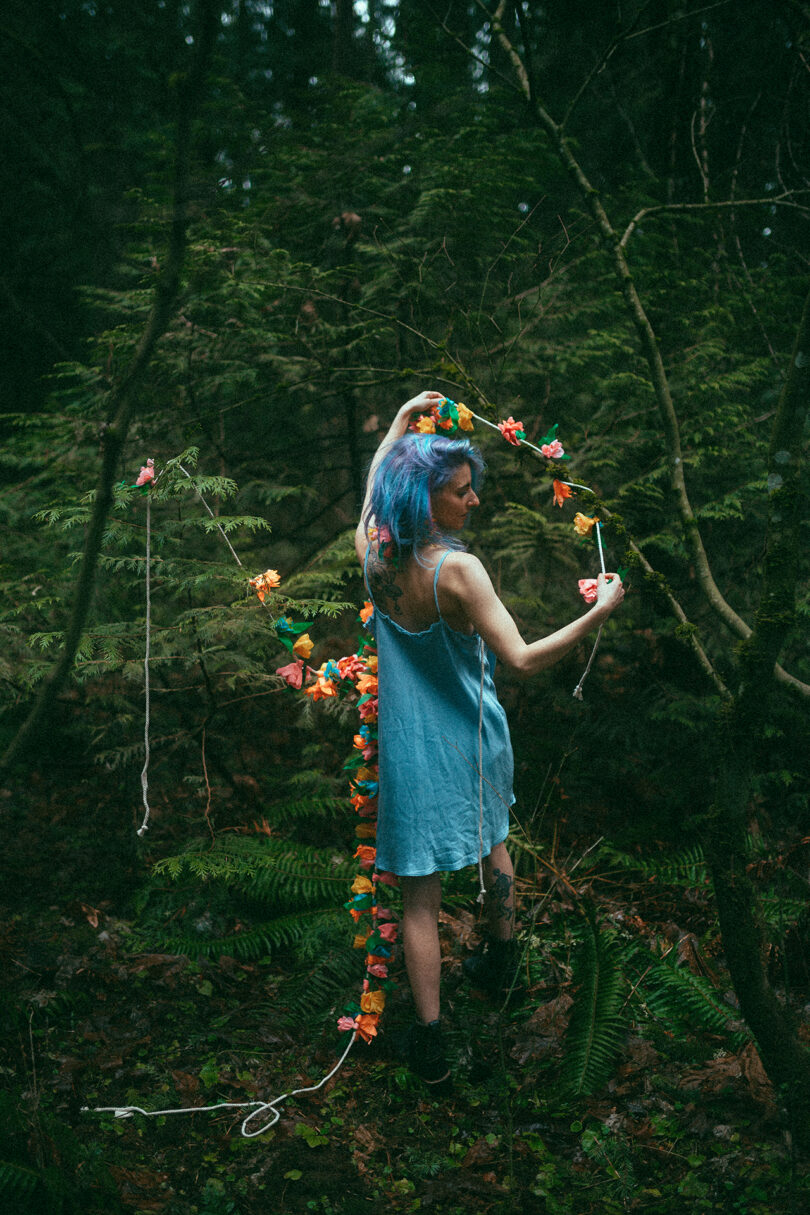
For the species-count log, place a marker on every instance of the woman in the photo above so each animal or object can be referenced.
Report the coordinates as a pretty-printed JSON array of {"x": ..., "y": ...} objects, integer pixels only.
[{"x": 445, "y": 758}]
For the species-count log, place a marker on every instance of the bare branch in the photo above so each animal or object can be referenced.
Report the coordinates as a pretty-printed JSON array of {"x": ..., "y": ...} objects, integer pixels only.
[{"x": 783, "y": 200}]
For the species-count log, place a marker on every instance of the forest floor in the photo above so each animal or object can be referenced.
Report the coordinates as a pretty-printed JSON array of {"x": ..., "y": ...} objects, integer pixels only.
[{"x": 679, "y": 1126}]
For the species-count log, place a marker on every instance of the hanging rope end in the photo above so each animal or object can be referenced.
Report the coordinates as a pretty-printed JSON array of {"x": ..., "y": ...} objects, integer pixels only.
[
  {"x": 142, "y": 830},
  {"x": 577, "y": 693}
]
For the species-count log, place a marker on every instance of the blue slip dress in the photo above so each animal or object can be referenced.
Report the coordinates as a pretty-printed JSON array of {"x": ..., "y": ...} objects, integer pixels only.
[{"x": 432, "y": 687}]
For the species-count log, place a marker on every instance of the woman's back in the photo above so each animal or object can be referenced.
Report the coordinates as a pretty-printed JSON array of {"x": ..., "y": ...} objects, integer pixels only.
[{"x": 409, "y": 595}]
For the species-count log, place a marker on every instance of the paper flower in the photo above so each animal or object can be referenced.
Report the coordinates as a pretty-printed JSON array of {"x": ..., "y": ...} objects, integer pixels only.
[
  {"x": 263, "y": 583},
  {"x": 553, "y": 450},
  {"x": 378, "y": 969},
  {"x": 367, "y": 1025},
  {"x": 366, "y": 612},
  {"x": 320, "y": 689},
  {"x": 588, "y": 588},
  {"x": 584, "y": 523},
  {"x": 465, "y": 417},
  {"x": 303, "y": 646},
  {"x": 388, "y": 932},
  {"x": 147, "y": 473},
  {"x": 426, "y": 425},
  {"x": 367, "y": 684},
  {"x": 512, "y": 431},
  {"x": 561, "y": 492},
  {"x": 351, "y": 666},
  {"x": 372, "y": 1001},
  {"x": 366, "y": 855},
  {"x": 346, "y": 1024},
  {"x": 293, "y": 673}
]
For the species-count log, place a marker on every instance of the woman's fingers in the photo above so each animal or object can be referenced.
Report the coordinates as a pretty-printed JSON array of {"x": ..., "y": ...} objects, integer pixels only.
[{"x": 609, "y": 590}]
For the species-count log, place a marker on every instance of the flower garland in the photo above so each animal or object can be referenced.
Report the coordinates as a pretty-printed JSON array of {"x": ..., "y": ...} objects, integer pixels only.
[
  {"x": 451, "y": 418},
  {"x": 354, "y": 677}
]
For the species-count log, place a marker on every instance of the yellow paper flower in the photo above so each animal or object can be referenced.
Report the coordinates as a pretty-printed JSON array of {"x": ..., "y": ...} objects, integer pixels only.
[
  {"x": 426, "y": 425},
  {"x": 303, "y": 646},
  {"x": 361, "y": 885},
  {"x": 372, "y": 1001},
  {"x": 465, "y": 417},
  {"x": 583, "y": 523},
  {"x": 360, "y": 940},
  {"x": 371, "y": 663}
]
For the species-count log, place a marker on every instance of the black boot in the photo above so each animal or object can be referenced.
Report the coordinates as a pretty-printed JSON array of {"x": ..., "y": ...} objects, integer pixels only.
[
  {"x": 495, "y": 969},
  {"x": 426, "y": 1055}
]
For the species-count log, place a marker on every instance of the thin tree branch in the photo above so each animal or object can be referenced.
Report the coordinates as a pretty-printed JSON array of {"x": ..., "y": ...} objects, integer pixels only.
[{"x": 783, "y": 200}]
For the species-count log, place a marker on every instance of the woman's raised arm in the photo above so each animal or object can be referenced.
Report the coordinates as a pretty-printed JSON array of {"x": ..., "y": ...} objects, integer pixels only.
[{"x": 399, "y": 427}]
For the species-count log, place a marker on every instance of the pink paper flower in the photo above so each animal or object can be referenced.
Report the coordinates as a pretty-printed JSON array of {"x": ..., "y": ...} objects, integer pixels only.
[
  {"x": 147, "y": 473},
  {"x": 346, "y": 1024},
  {"x": 293, "y": 673},
  {"x": 553, "y": 450},
  {"x": 378, "y": 970},
  {"x": 588, "y": 589},
  {"x": 388, "y": 932}
]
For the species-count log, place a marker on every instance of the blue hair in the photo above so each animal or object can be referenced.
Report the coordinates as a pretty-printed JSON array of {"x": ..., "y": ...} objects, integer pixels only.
[{"x": 412, "y": 468}]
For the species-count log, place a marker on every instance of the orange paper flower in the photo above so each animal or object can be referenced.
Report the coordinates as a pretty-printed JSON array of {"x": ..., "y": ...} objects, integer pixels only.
[
  {"x": 561, "y": 492},
  {"x": 366, "y": 855},
  {"x": 367, "y": 1025},
  {"x": 263, "y": 583},
  {"x": 366, "y": 612}
]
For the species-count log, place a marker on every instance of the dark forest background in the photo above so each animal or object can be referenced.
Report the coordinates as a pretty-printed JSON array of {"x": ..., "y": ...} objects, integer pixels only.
[{"x": 236, "y": 237}]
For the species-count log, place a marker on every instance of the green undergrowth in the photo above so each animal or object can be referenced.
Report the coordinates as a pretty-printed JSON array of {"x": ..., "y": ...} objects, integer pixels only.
[{"x": 616, "y": 1078}]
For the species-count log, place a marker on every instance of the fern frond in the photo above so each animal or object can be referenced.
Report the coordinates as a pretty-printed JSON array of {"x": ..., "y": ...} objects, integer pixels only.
[
  {"x": 597, "y": 1025},
  {"x": 677, "y": 996},
  {"x": 250, "y": 944}
]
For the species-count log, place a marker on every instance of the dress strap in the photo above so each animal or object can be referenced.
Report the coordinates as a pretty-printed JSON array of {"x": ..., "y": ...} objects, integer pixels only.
[{"x": 439, "y": 565}]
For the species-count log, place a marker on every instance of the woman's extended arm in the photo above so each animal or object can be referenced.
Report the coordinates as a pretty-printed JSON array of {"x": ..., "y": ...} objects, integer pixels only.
[
  {"x": 399, "y": 427},
  {"x": 466, "y": 581}
]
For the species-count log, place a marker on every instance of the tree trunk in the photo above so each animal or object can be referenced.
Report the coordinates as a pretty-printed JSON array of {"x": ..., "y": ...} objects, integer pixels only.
[{"x": 124, "y": 396}]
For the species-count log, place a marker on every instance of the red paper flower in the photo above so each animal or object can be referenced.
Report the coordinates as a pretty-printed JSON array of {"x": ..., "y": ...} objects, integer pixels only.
[{"x": 512, "y": 431}]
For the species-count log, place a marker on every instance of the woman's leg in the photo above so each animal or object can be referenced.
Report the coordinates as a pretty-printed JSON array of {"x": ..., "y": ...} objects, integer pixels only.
[
  {"x": 421, "y": 900},
  {"x": 499, "y": 877}
]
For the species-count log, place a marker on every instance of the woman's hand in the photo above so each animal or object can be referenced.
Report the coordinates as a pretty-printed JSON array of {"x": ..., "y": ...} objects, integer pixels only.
[
  {"x": 609, "y": 593},
  {"x": 422, "y": 403}
]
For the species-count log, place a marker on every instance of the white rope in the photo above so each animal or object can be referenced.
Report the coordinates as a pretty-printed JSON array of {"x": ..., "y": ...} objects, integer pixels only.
[
  {"x": 126, "y": 1111},
  {"x": 220, "y": 529},
  {"x": 144, "y": 827},
  {"x": 577, "y": 693}
]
